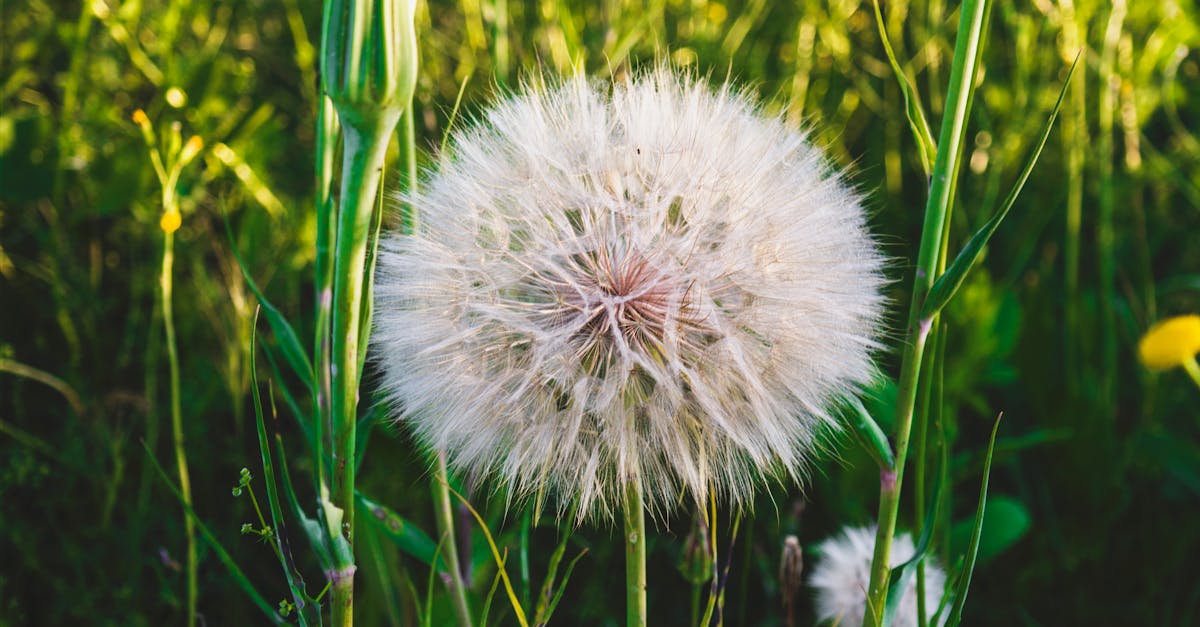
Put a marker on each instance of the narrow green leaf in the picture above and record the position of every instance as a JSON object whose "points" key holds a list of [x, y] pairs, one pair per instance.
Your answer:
{"points": [[487, 603], [312, 527], [407, 536], [869, 435], [912, 100], [539, 615], [947, 284], [901, 576], [366, 425], [368, 300], [301, 418], [487, 535], [289, 342], [453, 115], [279, 536], [964, 578], [238, 575], [427, 619], [562, 587]]}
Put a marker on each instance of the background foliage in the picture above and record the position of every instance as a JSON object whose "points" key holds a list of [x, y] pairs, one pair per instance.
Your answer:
{"points": [[1095, 516]]}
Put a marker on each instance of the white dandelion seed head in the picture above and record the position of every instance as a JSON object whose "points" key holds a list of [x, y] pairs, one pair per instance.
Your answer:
{"points": [[649, 280], [843, 573]]}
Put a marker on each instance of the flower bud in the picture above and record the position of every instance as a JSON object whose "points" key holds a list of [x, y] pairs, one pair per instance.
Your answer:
{"points": [[369, 56]]}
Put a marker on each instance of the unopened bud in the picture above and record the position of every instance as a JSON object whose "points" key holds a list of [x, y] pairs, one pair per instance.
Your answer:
{"points": [[369, 56], [791, 582]]}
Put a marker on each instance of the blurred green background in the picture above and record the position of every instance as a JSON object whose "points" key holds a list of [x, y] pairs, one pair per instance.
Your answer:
{"points": [[1095, 511]]}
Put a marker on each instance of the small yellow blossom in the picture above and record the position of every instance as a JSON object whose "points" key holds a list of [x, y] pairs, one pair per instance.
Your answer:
{"points": [[139, 118], [1171, 343], [192, 148], [176, 97], [170, 221]]}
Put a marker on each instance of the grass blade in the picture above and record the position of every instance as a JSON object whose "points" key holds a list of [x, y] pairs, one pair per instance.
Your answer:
{"points": [[869, 434], [289, 342], [964, 578], [912, 101], [236, 572], [279, 537], [508, 588], [562, 587], [947, 284], [301, 418], [903, 574]]}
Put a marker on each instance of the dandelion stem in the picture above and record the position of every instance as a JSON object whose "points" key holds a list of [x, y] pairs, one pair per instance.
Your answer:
{"points": [[444, 515], [635, 554], [1193, 370], [958, 100]]}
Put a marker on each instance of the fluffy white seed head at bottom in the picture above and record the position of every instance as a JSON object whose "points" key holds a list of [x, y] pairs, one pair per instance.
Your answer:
{"points": [[841, 577]]}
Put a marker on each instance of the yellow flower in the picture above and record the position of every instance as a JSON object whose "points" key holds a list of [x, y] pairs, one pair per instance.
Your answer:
{"points": [[1171, 343], [170, 221]]}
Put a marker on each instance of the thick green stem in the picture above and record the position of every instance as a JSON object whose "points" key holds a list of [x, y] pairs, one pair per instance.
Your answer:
{"points": [[165, 282], [444, 515], [327, 134], [945, 171], [364, 148], [635, 554]]}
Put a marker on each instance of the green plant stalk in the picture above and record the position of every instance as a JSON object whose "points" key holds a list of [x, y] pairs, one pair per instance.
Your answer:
{"points": [[1193, 370], [1074, 143], [408, 181], [364, 149], [635, 554], [500, 55], [328, 131], [444, 515], [945, 171], [1105, 237], [166, 285], [930, 395]]}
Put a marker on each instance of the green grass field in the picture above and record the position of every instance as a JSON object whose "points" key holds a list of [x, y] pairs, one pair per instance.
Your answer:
{"points": [[1094, 497]]}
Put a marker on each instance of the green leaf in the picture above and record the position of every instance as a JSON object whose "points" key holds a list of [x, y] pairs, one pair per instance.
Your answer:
{"points": [[289, 342], [902, 575], [964, 578], [283, 549], [562, 587], [543, 610], [1007, 522], [301, 418], [947, 284], [312, 527], [912, 101], [367, 307], [238, 575], [407, 536], [869, 435]]}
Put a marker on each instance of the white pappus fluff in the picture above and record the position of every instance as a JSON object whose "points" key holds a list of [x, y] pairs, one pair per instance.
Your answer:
{"points": [[648, 280], [842, 574]]}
